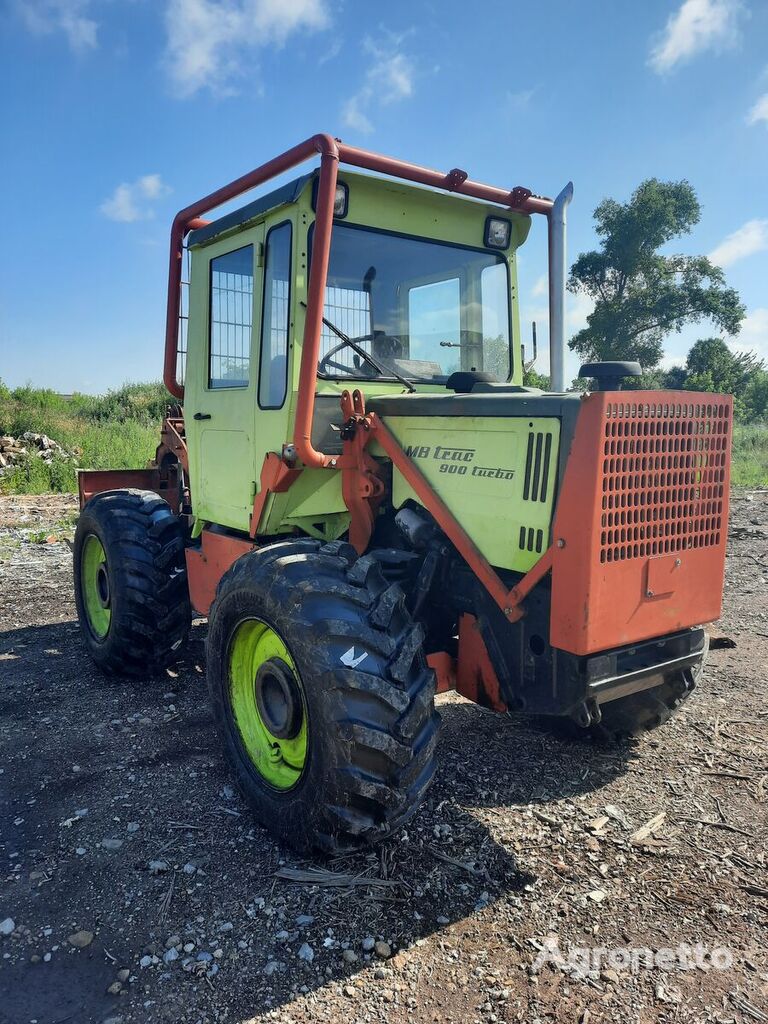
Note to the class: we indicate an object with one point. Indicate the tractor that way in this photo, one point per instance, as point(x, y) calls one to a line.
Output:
point(367, 504)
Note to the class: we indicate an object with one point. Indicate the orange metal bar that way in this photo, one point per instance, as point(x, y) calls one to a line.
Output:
point(94, 481)
point(276, 478)
point(471, 672)
point(452, 182)
point(444, 667)
point(508, 600)
point(321, 248)
point(331, 151)
point(184, 220)
point(476, 677)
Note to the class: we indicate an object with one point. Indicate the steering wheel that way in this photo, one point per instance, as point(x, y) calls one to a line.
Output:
point(327, 361)
point(388, 346)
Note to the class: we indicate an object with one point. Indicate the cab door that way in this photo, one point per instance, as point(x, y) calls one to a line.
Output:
point(222, 379)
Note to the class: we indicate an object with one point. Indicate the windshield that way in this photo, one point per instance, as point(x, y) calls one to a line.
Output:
point(419, 309)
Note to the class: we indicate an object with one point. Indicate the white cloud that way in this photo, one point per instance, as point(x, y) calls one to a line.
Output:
point(130, 202)
point(760, 111)
point(354, 117)
point(331, 52)
point(753, 336)
point(577, 309)
point(750, 238)
point(698, 25)
point(207, 40)
point(47, 17)
point(669, 361)
point(520, 100)
point(540, 286)
point(389, 79)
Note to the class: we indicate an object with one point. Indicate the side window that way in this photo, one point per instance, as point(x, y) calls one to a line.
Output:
point(231, 319)
point(494, 285)
point(434, 323)
point(273, 369)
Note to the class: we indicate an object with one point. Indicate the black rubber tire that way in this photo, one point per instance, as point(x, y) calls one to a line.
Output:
point(372, 728)
point(144, 546)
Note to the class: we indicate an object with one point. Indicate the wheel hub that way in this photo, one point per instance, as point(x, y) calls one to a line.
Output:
point(102, 586)
point(278, 699)
point(95, 588)
point(268, 703)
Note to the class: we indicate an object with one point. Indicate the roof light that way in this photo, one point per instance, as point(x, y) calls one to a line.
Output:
point(340, 199)
point(497, 232)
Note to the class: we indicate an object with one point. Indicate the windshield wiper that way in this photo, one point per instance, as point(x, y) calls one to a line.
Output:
point(381, 367)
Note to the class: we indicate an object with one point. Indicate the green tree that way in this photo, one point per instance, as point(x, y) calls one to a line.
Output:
point(712, 366)
point(711, 361)
point(756, 398)
point(641, 295)
point(532, 379)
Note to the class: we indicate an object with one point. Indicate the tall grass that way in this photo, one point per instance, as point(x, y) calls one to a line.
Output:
point(119, 430)
point(749, 467)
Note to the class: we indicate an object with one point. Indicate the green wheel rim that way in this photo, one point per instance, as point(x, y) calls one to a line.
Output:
point(279, 761)
point(95, 586)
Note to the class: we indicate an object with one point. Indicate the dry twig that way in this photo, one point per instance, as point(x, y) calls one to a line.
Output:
point(316, 876)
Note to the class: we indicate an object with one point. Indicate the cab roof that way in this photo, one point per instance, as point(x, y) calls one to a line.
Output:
point(291, 192)
point(278, 197)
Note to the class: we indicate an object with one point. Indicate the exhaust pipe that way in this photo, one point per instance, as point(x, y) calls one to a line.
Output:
point(558, 273)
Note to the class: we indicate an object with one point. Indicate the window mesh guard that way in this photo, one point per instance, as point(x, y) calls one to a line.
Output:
point(349, 309)
point(182, 338)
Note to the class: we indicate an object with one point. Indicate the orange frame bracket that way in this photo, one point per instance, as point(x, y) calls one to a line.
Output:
point(360, 429)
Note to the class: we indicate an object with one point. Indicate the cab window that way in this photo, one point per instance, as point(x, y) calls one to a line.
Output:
point(421, 308)
point(273, 370)
point(231, 319)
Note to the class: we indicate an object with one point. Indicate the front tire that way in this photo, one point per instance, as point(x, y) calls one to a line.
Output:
point(131, 582)
point(321, 694)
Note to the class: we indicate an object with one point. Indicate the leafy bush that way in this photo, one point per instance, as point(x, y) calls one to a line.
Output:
point(712, 366)
point(119, 430)
point(142, 403)
point(750, 456)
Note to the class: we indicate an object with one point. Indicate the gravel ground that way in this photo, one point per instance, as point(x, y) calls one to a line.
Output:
point(135, 887)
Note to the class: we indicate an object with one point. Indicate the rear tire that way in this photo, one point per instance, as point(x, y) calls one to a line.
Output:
point(366, 754)
point(131, 582)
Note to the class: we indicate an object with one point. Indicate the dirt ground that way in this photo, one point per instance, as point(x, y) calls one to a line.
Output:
point(118, 821)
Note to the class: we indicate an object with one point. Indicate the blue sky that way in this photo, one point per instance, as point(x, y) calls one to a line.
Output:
point(116, 113)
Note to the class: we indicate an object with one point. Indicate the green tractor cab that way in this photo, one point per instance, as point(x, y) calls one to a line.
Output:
point(370, 507)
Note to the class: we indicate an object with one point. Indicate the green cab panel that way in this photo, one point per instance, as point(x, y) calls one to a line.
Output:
point(314, 504)
point(498, 476)
point(232, 422)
